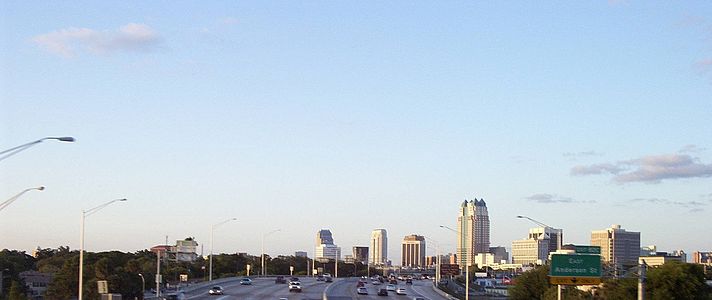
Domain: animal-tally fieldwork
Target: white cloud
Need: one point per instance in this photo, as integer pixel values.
(552, 198)
(595, 169)
(69, 42)
(651, 169)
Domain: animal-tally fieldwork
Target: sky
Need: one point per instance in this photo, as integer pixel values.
(351, 116)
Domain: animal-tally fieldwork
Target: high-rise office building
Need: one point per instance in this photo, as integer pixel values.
(413, 251)
(360, 254)
(473, 231)
(618, 246)
(378, 251)
(536, 247)
(700, 257)
(530, 251)
(325, 247)
(324, 237)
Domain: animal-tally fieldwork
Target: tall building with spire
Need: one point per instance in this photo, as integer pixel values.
(473, 231)
(378, 254)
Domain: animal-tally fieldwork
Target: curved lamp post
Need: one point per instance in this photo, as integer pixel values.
(264, 272)
(212, 228)
(467, 264)
(13, 198)
(86, 213)
(12, 151)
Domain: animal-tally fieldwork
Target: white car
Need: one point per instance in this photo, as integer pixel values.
(391, 288)
(216, 290)
(400, 291)
(362, 291)
(295, 286)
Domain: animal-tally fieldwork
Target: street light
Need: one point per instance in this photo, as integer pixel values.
(12, 151)
(558, 244)
(210, 277)
(143, 285)
(467, 264)
(13, 198)
(263, 249)
(437, 258)
(86, 213)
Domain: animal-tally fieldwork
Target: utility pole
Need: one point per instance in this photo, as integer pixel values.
(641, 281)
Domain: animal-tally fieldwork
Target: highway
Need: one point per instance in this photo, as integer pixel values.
(345, 288)
(340, 289)
(261, 288)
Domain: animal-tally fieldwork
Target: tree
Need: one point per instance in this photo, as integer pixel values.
(677, 280)
(16, 292)
(618, 289)
(531, 284)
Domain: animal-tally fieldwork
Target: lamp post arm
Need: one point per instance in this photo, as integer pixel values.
(534, 221)
(91, 211)
(14, 150)
(13, 198)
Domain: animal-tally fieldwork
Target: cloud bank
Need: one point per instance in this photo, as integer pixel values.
(649, 169)
(694, 206)
(69, 42)
(551, 198)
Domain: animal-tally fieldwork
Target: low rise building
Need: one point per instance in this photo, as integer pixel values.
(36, 283)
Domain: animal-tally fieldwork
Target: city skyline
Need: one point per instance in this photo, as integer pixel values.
(353, 116)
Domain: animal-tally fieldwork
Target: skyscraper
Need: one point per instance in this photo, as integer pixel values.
(618, 246)
(413, 251)
(473, 231)
(325, 247)
(324, 237)
(360, 253)
(378, 254)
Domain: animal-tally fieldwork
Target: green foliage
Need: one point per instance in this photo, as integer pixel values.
(618, 289)
(16, 292)
(13, 262)
(532, 284)
(676, 280)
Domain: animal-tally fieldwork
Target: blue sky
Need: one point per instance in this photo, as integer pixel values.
(354, 116)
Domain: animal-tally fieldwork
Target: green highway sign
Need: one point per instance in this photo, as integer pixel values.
(575, 269)
(587, 249)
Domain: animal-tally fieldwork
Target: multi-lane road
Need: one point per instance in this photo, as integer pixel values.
(340, 289)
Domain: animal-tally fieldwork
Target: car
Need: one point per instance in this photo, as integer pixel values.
(360, 284)
(295, 286)
(382, 292)
(280, 279)
(400, 291)
(391, 288)
(375, 282)
(328, 279)
(320, 278)
(245, 281)
(215, 290)
(362, 291)
(409, 281)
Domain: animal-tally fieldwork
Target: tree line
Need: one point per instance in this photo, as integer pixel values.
(673, 280)
(121, 270)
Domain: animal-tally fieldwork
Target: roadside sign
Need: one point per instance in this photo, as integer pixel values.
(587, 249)
(575, 269)
(449, 269)
(575, 280)
(183, 277)
(102, 287)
